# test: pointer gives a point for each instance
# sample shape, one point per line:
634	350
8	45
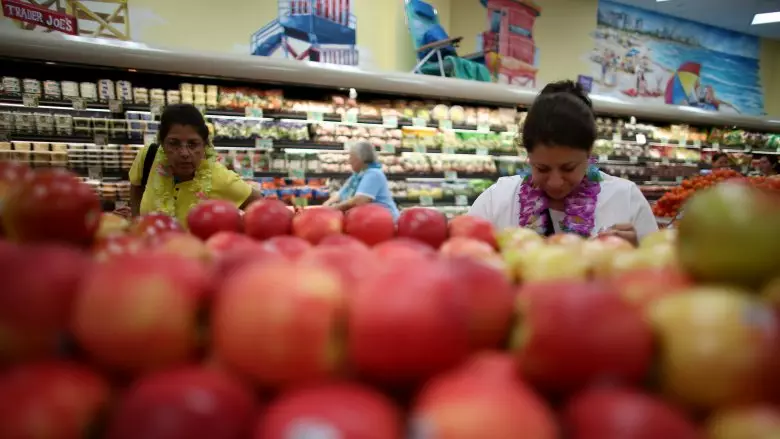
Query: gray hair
363	151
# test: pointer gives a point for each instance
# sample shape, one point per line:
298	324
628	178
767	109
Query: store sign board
33	14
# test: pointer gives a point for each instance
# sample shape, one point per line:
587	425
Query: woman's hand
625	231
124	212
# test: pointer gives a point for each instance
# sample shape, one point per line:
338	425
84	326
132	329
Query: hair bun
568	87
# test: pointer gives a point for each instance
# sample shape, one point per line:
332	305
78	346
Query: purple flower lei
579	206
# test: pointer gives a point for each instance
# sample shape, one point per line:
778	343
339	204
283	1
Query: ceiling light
768	17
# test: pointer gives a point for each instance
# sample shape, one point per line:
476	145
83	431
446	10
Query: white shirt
619	202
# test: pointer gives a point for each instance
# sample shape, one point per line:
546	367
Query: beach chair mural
436	50
508	45
314	30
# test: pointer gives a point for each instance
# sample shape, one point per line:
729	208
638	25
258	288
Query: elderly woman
367	184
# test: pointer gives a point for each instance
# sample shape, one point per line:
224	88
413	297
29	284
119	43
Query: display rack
289	131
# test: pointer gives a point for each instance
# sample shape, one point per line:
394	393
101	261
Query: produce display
669	205
315	324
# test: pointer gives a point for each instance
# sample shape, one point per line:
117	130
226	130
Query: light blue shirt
373	184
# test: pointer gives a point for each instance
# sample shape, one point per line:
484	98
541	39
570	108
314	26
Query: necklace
579	206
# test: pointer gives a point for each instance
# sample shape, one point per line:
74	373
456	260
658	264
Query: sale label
33	14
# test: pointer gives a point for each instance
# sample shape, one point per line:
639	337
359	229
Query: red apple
39	286
221	242
294	309
289	247
475	228
55	400
403	248
139	312
315	224
458	247
267	218
184	404
110	225
184	245
559	355
52	206
408	321
481	399
232	260
517	238
750	422
602	253
153	225
350	265
344	241
423	224
642	287
717	347
212	216
344	411
370	223
11	173
116	245
625	414
491	298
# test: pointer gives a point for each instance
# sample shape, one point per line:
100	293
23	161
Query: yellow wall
770	76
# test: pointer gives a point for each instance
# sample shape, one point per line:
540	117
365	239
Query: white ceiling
728	14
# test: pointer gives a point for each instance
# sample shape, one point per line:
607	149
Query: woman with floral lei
564	191
183	170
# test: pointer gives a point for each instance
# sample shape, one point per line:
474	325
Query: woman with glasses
182	170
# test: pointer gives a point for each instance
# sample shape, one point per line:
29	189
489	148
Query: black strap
550	229
148	162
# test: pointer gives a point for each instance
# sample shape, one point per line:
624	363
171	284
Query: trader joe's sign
39	16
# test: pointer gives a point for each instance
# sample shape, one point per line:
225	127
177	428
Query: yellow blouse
224	184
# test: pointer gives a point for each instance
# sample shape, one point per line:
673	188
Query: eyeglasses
176	144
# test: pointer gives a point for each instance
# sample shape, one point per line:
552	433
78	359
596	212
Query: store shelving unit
654	161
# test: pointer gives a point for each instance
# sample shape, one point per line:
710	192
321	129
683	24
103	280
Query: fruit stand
275	324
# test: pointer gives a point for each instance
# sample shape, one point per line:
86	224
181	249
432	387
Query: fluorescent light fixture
768	17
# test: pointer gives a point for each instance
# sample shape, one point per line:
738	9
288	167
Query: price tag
95	173
481	150
633	159
450	175
461	200
654	179
388	147
664	140
149	138
624	175
390	121
115	106
512	128
679	179
297	173
748	148
778	150
419	122
641	139
420	149
101	140
716	146
315	116
301	202
156	107
448	150
697	143
616	137
483	128
79	104
264	144
665	161
350	117
29	100
426	200
445	124
120	204
253	112
201	109
603	158
745	169
4	136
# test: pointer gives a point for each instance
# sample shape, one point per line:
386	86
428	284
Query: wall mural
314	30
644	56
508	43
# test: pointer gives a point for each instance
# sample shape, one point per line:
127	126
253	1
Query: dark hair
717	156
183	114
561	115
772	159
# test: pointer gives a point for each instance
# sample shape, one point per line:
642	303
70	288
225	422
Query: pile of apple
318	325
